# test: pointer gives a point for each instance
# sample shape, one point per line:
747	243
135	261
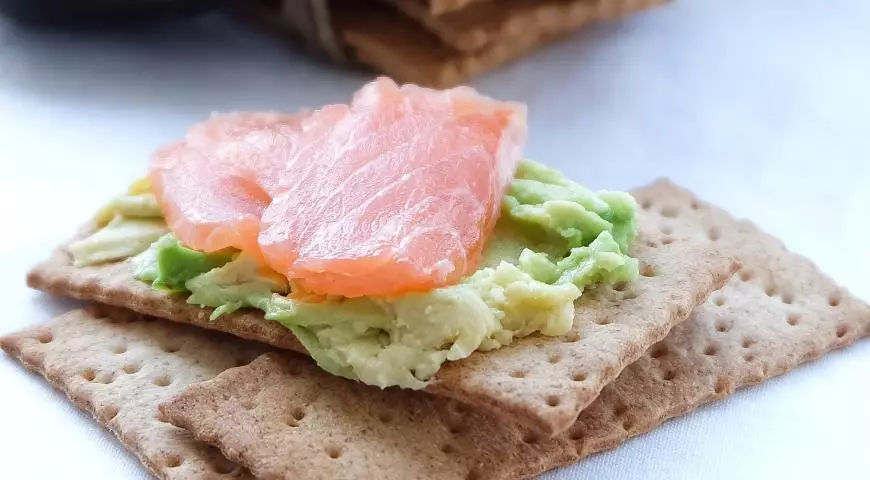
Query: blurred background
758	106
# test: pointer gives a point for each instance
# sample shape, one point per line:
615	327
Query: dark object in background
102	13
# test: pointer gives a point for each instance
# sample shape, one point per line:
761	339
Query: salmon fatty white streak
396	192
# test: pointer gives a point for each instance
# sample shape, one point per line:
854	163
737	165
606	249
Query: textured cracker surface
438	7
545	382
486	23
114	284
297	422
119	370
611	329
398	46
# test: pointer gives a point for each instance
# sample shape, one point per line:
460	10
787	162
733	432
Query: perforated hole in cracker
298	413
132	368
474	474
722	385
333	451
842	330
724	325
172	461
530	437
44	337
576	432
222	466
670	211
648	271
108	413
620	409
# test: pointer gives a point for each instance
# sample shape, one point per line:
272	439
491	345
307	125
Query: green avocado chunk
177	264
226	281
119	239
553	239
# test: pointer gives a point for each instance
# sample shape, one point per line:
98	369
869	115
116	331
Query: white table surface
760	106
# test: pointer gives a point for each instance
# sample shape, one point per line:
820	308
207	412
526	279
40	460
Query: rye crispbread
286	419
612	328
399	47
484	24
120	369
431	43
438	7
113	284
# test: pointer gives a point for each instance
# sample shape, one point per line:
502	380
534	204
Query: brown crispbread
286	419
119	370
611	329
546	382
390	43
438	7
113	284
484	24
439	44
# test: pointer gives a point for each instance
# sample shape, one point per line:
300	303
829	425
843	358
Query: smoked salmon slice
396	192
214	185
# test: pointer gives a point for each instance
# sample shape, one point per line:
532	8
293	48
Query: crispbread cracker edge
439	7
114	284
777	313
119	369
399	47
484	24
611	329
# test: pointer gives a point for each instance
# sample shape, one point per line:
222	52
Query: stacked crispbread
191	403
435	43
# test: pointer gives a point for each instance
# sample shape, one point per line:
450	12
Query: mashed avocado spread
554	239
126	226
